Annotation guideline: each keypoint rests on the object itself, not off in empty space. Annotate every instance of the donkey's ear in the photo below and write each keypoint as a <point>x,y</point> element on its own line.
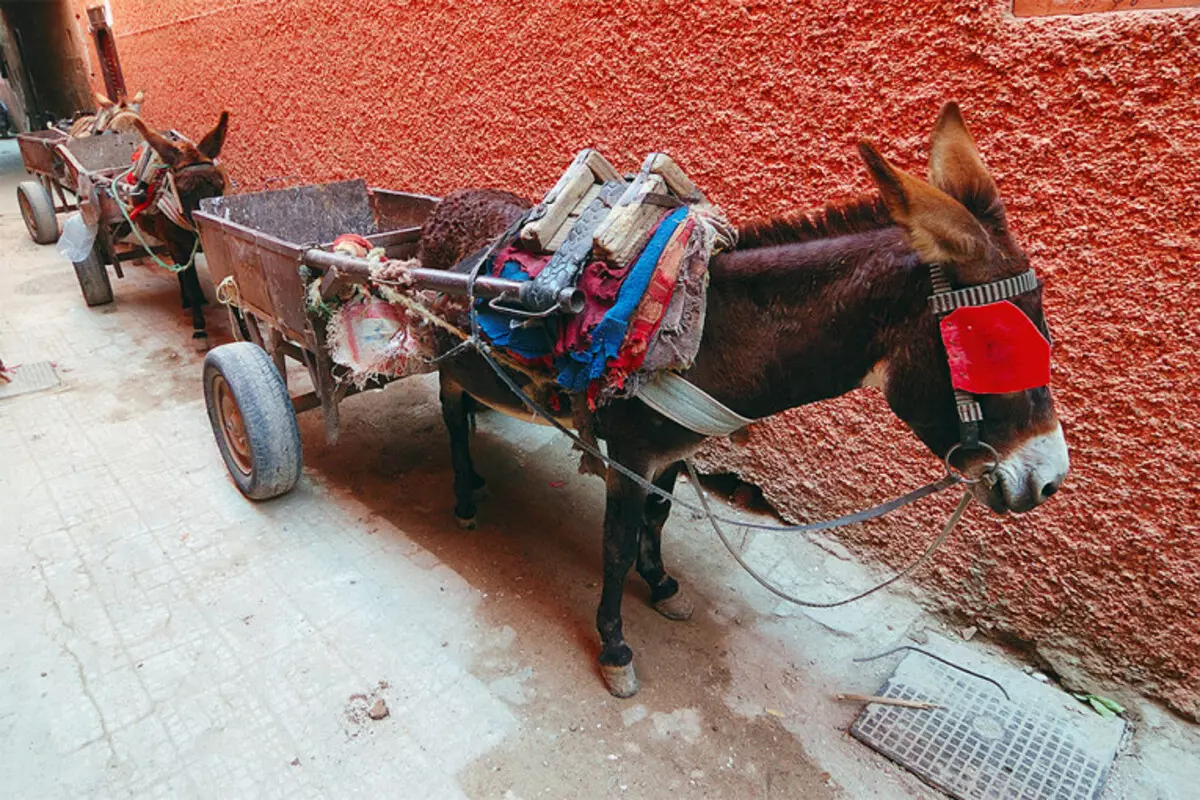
<point>138,98</point>
<point>956,167</point>
<point>167,151</point>
<point>102,100</point>
<point>210,145</point>
<point>939,227</point>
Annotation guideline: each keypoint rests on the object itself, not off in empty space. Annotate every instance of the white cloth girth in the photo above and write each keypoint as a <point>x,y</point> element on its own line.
<point>688,405</point>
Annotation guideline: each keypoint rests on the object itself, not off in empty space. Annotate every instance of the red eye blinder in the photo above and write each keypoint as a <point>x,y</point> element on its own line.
<point>995,349</point>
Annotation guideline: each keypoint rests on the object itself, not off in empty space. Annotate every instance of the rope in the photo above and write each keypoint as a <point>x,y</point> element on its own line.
<point>775,590</point>
<point>420,309</point>
<point>112,192</point>
<point>715,519</point>
<point>936,657</point>
<point>228,292</point>
<point>943,483</point>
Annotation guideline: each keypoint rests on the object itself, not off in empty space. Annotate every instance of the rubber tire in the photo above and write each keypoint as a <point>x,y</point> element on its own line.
<point>267,416</point>
<point>92,275</point>
<point>43,227</point>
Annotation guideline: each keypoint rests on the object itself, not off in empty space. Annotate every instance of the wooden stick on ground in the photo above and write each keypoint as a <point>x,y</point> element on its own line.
<point>886,701</point>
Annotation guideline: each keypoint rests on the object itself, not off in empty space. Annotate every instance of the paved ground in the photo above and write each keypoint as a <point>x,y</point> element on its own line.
<point>161,636</point>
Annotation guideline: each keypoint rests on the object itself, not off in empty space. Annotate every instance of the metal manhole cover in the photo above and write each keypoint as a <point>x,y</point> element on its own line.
<point>28,378</point>
<point>981,746</point>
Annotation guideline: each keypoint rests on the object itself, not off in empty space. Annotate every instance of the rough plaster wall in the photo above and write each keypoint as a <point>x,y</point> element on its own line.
<point>1089,124</point>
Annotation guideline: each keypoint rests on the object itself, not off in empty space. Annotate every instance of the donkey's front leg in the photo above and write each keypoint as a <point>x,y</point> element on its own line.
<point>665,593</point>
<point>622,523</point>
<point>466,481</point>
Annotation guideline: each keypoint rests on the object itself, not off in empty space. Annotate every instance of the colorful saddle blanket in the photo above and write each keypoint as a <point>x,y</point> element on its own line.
<point>644,294</point>
<point>637,249</point>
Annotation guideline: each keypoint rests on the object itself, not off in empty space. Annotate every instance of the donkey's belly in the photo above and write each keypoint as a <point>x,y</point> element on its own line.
<point>519,410</point>
<point>472,375</point>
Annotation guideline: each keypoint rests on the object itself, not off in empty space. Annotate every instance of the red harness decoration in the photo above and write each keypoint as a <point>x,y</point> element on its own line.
<point>995,349</point>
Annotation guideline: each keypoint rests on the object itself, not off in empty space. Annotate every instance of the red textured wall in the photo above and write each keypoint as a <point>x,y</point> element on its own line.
<point>1089,123</point>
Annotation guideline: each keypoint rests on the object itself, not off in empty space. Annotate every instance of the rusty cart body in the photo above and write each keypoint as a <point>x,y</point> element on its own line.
<point>255,245</point>
<point>76,175</point>
<point>46,195</point>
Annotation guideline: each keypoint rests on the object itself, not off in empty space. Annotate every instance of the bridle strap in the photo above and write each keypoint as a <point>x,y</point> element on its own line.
<point>944,300</point>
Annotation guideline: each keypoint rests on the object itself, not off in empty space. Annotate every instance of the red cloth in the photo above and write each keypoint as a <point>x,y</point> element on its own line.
<point>650,310</point>
<point>600,283</point>
<point>530,263</point>
<point>995,349</point>
<point>359,243</point>
<point>142,207</point>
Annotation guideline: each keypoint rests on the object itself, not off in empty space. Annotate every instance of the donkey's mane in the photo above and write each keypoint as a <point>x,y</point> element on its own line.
<point>857,215</point>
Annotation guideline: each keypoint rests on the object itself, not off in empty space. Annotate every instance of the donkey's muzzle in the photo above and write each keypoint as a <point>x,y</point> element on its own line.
<point>1031,474</point>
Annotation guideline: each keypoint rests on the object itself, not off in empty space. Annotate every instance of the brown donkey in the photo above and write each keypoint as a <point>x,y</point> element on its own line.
<point>805,309</point>
<point>196,176</point>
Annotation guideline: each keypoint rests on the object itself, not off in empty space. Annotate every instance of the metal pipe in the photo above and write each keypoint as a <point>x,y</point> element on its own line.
<point>358,270</point>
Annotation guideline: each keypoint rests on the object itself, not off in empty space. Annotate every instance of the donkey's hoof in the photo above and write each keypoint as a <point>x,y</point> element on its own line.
<point>200,342</point>
<point>621,681</point>
<point>466,523</point>
<point>677,607</point>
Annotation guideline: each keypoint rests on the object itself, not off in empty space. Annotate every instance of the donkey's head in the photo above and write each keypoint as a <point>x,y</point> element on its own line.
<point>117,115</point>
<point>957,221</point>
<point>193,166</point>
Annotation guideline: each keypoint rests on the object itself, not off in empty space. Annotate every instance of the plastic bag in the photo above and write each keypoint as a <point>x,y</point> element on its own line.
<point>77,239</point>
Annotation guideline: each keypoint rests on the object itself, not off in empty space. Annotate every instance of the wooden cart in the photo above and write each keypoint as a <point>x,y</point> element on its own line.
<point>268,252</point>
<point>75,175</point>
<point>43,197</point>
<point>255,245</point>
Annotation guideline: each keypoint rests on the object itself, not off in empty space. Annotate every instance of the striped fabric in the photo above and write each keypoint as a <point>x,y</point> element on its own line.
<point>944,302</point>
<point>170,204</point>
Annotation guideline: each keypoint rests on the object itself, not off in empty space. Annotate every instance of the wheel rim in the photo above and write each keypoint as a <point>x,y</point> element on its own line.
<point>26,212</point>
<point>233,429</point>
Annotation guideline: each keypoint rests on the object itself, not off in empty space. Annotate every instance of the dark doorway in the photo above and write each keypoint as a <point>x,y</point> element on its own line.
<point>42,62</point>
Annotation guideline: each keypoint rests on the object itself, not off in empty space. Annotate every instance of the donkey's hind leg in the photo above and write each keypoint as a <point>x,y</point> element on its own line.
<point>479,487</point>
<point>665,594</point>
<point>455,407</point>
<point>193,299</point>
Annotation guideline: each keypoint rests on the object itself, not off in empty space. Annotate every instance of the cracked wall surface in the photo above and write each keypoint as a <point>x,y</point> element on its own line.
<point>1089,124</point>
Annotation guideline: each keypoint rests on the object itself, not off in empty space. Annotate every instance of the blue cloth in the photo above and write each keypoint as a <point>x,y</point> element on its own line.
<point>533,342</point>
<point>578,369</point>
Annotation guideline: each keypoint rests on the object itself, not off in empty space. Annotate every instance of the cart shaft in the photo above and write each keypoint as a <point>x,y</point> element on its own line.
<point>358,270</point>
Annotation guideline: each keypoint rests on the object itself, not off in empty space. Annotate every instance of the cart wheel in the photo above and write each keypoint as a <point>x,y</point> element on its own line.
<point>253,420</point>
<point>93,279</point>
<point>37,209</point>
